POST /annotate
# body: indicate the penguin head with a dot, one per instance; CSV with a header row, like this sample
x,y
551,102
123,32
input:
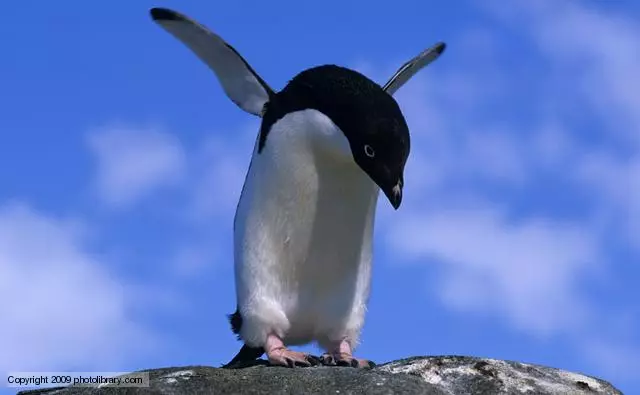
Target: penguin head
x,y
380,146
370,119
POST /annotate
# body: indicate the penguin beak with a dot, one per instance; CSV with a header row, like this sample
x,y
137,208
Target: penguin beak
x,y
394,194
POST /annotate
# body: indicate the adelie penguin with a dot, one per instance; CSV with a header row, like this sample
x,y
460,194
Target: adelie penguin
x,y
328,143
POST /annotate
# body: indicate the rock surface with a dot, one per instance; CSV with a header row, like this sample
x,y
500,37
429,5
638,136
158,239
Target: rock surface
x,y
450,375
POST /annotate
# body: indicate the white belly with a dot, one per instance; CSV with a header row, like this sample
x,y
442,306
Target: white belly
x,y
302,234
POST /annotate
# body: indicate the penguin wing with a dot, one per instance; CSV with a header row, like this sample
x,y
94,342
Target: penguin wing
x,y
410,68
240,82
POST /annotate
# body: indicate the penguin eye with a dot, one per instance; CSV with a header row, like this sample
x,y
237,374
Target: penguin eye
x,y
369,151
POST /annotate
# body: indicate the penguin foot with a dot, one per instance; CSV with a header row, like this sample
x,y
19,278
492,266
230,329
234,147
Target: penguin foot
x,y
291,359
340,354
279,355
347,360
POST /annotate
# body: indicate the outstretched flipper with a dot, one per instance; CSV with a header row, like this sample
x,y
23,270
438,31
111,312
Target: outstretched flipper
x,y
238,79
410,68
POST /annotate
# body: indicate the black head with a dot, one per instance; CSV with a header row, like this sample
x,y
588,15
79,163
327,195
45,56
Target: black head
x,y
369,117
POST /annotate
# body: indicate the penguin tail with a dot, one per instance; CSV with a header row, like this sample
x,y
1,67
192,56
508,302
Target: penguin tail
x,y
235,320
246,354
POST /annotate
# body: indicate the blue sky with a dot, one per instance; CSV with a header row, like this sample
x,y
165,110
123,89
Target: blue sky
x,y
121,161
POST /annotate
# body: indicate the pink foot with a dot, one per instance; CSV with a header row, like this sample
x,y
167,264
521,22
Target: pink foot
x,y
345,360
341,355
279,355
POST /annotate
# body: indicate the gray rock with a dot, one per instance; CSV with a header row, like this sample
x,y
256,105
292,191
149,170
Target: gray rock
x,y
450,375
468,375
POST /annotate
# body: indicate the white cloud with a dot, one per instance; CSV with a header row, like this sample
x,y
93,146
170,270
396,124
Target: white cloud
x,y
192,260
60,306
495,155
550,136
132,163
218,172
606,45
213,179
527,271
591,56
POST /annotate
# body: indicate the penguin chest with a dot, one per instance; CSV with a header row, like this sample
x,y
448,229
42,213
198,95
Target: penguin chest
x,y
303,229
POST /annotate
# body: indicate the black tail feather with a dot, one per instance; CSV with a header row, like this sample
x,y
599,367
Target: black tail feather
x,y
246,354
235,320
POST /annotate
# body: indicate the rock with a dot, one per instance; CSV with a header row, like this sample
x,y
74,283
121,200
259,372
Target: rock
x,y
450,375
467,375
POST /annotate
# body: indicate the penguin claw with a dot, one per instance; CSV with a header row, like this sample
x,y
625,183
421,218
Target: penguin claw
x,y
315,361
327,360
345,360
291,359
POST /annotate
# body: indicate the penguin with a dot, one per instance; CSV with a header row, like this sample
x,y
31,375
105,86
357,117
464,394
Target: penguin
x,y
329,142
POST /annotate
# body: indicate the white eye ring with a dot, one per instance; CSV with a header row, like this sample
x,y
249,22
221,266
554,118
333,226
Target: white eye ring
x,y
368,150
